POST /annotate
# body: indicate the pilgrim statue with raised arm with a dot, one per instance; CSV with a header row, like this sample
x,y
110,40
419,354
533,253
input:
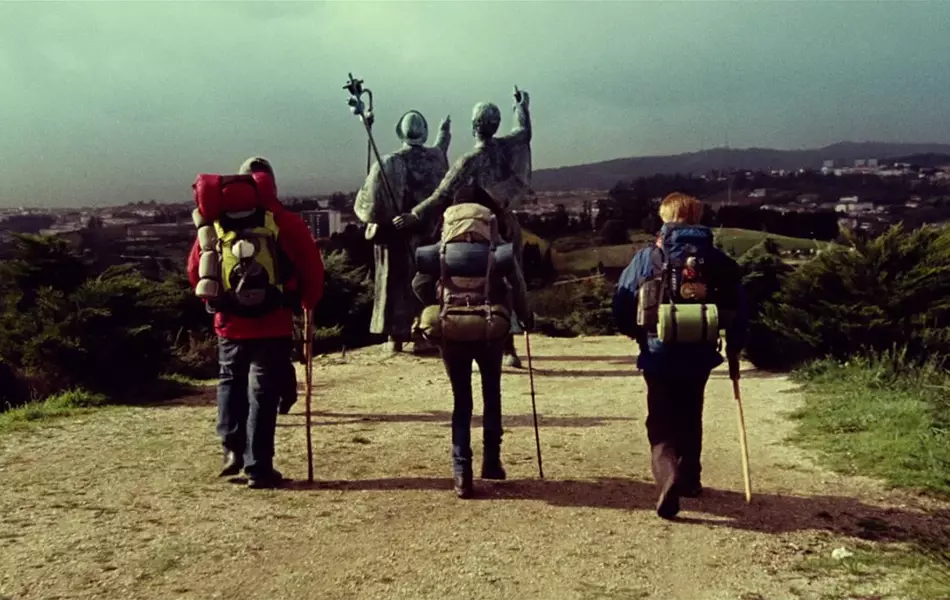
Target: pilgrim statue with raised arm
x,y
413,172
501,166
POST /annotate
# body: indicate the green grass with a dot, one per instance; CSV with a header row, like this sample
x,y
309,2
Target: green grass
x,y
880,418
907,570
66,404
76,402
738,241
579,254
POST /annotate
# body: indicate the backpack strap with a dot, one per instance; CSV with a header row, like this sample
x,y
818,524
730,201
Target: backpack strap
x,y
487,292
661,264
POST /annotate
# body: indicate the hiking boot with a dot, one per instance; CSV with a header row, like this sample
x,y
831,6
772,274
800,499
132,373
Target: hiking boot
x,y
424,348
692,490
463,485
668,504
512,360
233,463
266,480
285,404
493,470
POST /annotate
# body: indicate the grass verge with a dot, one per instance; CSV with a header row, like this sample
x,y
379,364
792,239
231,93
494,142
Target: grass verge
x,y
880,417
76,402
909,571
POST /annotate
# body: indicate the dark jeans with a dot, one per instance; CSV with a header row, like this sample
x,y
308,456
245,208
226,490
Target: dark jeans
x,y
458,358
675,425
252,374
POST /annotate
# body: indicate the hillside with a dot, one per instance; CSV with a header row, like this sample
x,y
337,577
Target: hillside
x,y
603,175
580,254
143,516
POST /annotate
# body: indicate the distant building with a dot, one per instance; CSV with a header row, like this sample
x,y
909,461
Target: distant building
x,y
872,163
828,164
323,223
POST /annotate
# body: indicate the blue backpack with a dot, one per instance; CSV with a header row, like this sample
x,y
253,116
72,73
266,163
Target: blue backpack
x,y
680,302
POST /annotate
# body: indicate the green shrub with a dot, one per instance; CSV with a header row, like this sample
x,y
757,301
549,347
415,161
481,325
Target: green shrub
x,y
579,308
64,327
891,290
344,313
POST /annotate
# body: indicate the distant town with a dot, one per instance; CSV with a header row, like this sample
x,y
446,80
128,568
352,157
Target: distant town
x,y
868,195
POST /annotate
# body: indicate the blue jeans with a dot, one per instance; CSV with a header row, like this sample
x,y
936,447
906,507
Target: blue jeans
x,y
252,374
458,358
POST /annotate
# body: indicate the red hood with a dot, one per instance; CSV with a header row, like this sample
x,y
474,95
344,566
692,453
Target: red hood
x,y
244,192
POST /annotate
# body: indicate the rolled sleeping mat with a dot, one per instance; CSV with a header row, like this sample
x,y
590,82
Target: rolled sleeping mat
x,y
465,259
199,219
688,324
207,289
207,238
209,274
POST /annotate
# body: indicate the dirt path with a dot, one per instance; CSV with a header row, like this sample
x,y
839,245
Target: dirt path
x,y
125,504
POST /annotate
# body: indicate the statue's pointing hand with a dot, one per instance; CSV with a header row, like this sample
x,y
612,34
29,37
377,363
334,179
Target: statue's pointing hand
x,y
405,221
521,97
446,124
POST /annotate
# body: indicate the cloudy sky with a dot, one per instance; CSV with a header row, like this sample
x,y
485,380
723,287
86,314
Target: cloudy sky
x,y
109,102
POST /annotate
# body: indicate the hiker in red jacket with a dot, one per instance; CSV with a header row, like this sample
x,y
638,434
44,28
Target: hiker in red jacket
x,y
254,262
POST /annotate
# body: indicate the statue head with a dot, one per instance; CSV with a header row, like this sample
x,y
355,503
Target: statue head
x,y
486,118
412,128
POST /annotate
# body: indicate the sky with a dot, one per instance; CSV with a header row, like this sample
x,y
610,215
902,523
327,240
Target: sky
x,y
111,102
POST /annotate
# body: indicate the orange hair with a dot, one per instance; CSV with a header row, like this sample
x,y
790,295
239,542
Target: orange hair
x,y
680,208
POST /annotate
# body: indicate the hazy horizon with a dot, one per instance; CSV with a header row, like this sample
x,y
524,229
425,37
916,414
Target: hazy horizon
x,y
107,103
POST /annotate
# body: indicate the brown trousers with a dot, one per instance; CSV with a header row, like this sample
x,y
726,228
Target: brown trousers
x,y
675,426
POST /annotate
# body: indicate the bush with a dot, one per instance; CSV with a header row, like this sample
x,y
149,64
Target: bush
x,y
614,232
581,308
764,273
892,290
65,327
344,313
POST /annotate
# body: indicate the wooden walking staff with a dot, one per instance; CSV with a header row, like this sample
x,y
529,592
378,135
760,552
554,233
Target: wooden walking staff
x,y
308,357
734,375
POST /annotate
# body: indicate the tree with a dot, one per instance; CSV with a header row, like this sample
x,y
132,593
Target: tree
x,y
614,233
339,201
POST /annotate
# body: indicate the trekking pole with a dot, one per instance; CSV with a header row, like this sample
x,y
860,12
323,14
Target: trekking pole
x,y
734,375
308,357
534,410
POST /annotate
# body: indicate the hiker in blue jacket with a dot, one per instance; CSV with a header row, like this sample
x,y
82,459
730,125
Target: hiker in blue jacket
x,y
673,299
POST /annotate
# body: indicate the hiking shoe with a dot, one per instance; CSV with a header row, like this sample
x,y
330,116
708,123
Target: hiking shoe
x,y
285,404
267,480
693,490
512,360
233,463
493,470
668,504
463,486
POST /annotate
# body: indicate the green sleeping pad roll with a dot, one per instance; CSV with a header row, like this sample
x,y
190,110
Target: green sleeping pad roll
x,y
688,324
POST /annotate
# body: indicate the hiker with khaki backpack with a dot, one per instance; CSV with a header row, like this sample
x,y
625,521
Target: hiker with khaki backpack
x,y
471,285
673,299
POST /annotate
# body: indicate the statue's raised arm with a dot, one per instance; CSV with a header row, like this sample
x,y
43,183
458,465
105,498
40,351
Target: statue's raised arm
x,y
521,130
444,137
